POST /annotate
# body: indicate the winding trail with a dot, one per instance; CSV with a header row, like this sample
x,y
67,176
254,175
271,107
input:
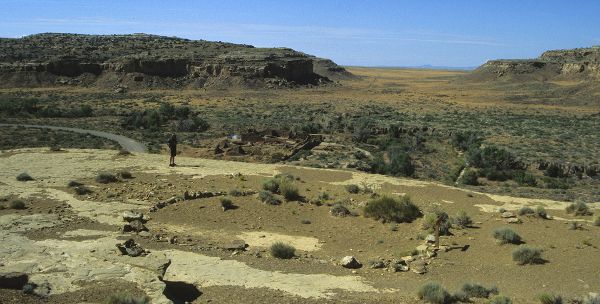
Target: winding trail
x,y
126,143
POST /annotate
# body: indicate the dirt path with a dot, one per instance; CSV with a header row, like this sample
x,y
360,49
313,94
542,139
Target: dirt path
x,y
126,143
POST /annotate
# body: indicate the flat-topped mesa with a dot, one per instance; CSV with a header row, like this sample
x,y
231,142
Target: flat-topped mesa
x,y
575,64
142,60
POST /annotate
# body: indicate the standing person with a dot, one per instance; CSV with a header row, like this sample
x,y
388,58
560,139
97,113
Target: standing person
x,y
173,147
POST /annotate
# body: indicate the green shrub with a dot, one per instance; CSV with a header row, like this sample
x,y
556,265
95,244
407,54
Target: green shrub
x,y
392,210
125,174
546,298
24,177
268,198
289,190
466,139
271,185
126,298
339,210
74,184
431,218
282,251
526,211
525,179
462,219
554,170
474,290
541,212
194,124
105,178
527,255
493,157
353,188
579,208
433,292
82,190
469,177
500,300
226,204
17,204
506,235
556,183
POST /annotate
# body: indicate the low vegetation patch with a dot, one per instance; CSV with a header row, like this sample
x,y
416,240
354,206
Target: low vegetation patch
x,y
289,190
268,198
462,219
505,235
432,218
354,189
526,211
339,210
125,174
469,177
271,185
226,204
546,298
73,184
24,177
282,251
435,293
392,210
500,300
126,298
474,290
527,255
17,204
579,208
541,212
105,178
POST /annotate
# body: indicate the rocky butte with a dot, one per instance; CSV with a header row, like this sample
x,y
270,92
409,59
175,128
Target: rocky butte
x,y
574,64
142,60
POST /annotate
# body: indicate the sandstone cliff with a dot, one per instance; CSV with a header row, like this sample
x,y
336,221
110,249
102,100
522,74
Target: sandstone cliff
x,y
142,60
575,64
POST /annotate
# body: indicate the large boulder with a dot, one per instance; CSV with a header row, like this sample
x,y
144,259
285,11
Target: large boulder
x,y
350,262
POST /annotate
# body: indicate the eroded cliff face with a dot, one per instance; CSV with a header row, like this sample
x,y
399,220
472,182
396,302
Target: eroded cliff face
x,y
146,60
575,64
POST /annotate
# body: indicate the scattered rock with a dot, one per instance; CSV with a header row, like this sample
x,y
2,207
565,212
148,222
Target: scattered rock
x,y
130,248
187,195
236,245
514,220
129,216
13,280
376,264
430,238
398,266
163,204
408,258
422,248
135,226
350,262
418,267
507,214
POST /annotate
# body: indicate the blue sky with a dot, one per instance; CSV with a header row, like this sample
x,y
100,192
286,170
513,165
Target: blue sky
x,y
352,32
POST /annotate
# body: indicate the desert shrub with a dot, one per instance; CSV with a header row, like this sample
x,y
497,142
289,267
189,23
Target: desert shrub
x,y
148,119
194,124
592,299
125,174
226,204
82,190
268,198
235,192
324,196
493,157
271,185
431,218
362,130
474,290
400,163
282,251
462,219
339,210
506,235
526,211
546,298
525,179
541,212
556,183
466,139
105,178
553,170
433,292
597,221
494,174
527,255
353,188
469,177
74,184
126,298
289,190
24,177
579,208
500,300
392,210
16,204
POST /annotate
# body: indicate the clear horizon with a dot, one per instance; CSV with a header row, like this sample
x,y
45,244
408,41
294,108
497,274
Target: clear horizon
x,y
352,33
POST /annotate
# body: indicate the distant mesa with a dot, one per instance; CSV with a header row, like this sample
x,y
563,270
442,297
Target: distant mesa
x,y
141,60
573,64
